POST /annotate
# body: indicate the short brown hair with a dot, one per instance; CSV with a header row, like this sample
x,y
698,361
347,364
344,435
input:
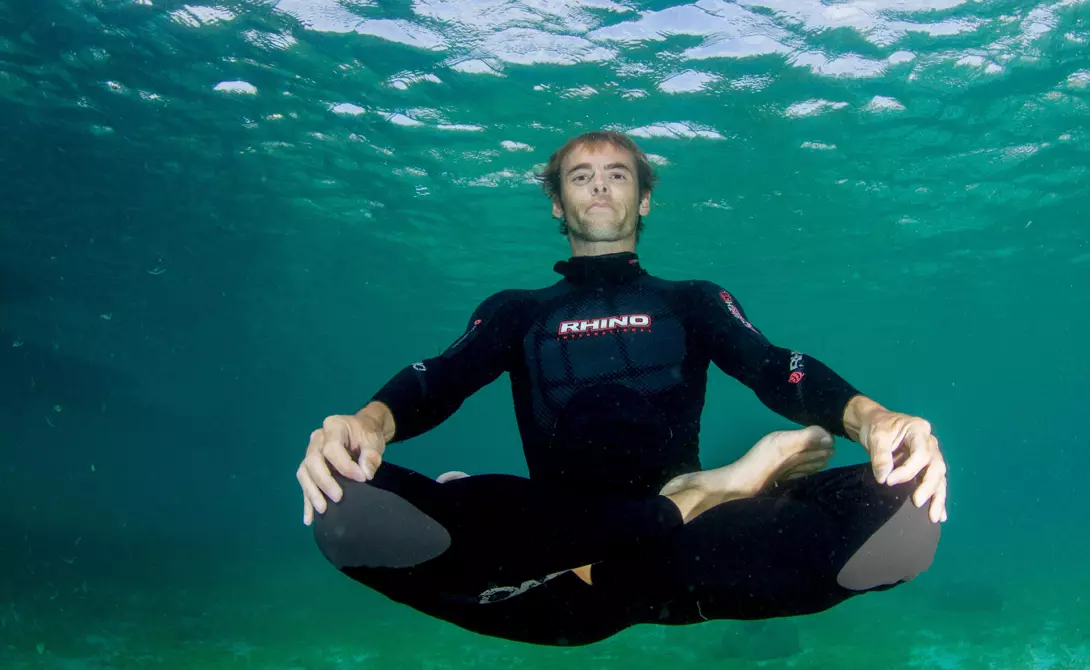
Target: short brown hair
x,y
552,183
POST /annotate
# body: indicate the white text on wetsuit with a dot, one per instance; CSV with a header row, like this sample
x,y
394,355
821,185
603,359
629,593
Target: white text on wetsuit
x,y
604,323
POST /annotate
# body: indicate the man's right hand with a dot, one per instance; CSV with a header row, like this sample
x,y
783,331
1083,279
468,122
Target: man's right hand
x,y
341,437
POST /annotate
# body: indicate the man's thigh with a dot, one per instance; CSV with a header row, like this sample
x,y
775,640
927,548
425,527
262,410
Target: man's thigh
x,y
802,547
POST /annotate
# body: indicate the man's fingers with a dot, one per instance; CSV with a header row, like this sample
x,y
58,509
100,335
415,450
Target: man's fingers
x,y
921,446
337,432
308,511
900,449
881,460
369,461
933,479
890,452
916,462
371,448
337,454
881,444
333,445
311,494
321,476
938,505
936,509
929,490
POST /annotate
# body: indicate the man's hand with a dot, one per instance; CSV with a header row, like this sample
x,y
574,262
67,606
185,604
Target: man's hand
x,y
883,433
341,436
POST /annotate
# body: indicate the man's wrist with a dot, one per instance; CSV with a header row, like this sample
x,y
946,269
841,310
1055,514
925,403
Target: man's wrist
x,y
382,416
857,413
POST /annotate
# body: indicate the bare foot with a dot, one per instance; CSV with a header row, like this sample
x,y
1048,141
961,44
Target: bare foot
x,y
781,455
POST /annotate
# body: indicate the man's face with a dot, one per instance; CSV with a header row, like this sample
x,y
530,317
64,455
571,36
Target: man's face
x,y
600,194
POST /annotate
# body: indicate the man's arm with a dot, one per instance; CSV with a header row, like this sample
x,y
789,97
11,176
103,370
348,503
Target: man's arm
x,y
803,389
423,395
795,385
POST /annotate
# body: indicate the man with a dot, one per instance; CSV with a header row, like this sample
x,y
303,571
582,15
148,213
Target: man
x,y
617,524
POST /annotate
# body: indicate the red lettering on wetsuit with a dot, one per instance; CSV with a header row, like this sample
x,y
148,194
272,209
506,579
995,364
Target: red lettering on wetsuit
x,y
733,309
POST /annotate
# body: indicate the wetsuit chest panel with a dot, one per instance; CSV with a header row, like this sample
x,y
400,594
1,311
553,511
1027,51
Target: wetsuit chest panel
x,y
629,337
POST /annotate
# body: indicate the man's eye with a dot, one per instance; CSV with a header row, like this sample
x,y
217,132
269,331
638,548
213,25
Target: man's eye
x,y
620,175
579,177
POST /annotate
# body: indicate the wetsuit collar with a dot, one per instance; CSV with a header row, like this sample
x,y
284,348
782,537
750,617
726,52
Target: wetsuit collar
x,y
605,269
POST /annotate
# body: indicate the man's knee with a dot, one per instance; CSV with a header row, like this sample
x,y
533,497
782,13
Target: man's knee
x,y
902,548
374,528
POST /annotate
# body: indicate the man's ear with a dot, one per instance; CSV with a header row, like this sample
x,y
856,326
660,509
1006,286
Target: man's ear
x,y
558,210
645,204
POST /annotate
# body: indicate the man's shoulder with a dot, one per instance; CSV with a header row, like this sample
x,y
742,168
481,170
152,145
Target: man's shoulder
x,y
500,298
696,294
687,286
510,297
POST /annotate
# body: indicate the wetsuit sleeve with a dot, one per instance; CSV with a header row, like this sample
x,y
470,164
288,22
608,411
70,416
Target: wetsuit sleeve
x,y
795,385
423,395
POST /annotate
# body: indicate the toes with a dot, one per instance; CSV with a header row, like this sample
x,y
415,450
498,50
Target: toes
x,y
819,435
805,439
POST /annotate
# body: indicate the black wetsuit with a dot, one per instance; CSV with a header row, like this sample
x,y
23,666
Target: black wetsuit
x,y
608,370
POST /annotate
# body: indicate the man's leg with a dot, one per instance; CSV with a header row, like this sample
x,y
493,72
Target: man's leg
x,y
780,455
483,528
492,553
803,546
500,527
471,550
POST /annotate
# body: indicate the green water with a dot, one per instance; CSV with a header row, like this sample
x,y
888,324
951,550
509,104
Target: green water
x,y
221,224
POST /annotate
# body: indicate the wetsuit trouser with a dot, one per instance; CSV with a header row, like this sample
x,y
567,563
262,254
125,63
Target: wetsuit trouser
x,y
493,553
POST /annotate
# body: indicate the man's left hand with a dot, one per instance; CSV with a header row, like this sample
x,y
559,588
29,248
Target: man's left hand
x,y
884,432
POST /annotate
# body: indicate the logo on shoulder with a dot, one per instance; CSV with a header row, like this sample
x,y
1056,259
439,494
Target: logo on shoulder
x,y
626,323
733,309
795,366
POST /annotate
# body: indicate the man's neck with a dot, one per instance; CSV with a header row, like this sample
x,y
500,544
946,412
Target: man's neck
x,y
589,248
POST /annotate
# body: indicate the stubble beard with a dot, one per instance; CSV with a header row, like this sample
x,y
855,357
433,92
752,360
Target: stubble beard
x,y
591,231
